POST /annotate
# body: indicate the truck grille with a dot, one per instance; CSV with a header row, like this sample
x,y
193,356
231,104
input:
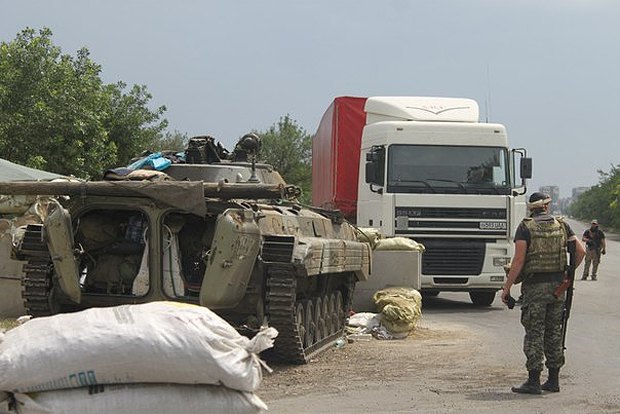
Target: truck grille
x,y
452,212
452,257
447,221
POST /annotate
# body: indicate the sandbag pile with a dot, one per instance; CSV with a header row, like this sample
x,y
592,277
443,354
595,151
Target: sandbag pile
x,y
400,308
378,241
159,357
399,243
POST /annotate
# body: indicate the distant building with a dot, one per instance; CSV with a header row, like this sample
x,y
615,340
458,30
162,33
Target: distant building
x,y
554,192
578,191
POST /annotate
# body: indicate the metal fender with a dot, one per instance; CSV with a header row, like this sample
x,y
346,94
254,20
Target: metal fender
x,y
231,259
58,235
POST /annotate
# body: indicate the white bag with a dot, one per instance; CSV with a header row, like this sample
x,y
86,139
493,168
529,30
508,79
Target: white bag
x,y
365,320
141,398
158,342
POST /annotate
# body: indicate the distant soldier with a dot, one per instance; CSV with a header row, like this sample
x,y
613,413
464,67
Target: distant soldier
x,y
595,244
540,261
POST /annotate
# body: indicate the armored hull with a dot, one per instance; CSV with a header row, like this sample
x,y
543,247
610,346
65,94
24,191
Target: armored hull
x,y
242,247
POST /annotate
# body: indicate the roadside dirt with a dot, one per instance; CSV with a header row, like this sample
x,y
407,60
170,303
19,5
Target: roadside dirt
x,y
448,354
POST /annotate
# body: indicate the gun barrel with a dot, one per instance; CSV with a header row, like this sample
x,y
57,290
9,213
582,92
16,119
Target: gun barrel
x,y
141,188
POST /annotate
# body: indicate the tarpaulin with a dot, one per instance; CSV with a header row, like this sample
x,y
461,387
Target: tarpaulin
x,y
336,155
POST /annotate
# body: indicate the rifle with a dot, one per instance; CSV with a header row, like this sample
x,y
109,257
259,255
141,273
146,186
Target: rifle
x,y
567,285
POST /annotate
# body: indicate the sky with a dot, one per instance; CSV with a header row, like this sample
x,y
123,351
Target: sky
x,y
548,70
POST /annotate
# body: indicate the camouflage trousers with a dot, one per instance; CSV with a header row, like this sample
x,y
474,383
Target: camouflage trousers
x,y
541,316
593,256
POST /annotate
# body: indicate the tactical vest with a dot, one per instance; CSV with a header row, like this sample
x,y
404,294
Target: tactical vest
x,y
547,250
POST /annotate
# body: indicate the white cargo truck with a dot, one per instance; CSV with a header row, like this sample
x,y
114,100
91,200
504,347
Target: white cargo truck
x,y
429,170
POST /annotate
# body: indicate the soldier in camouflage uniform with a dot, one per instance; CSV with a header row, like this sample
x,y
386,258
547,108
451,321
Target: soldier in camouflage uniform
x,y
540,262
594,239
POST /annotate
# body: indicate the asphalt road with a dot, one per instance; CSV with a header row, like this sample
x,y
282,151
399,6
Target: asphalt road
x,y
474,375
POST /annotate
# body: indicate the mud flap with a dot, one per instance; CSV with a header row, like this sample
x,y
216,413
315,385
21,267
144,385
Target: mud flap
x,y
231,259
59,238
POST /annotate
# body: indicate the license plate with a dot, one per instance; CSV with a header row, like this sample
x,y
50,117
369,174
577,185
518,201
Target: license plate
x,y
492,225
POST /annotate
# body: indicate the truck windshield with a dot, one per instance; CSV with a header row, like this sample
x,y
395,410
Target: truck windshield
x,y
448,169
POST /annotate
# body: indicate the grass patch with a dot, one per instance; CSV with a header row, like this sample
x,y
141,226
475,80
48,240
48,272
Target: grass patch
x,y
6,324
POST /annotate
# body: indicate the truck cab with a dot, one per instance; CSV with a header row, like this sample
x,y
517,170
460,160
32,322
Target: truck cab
x,y
429,170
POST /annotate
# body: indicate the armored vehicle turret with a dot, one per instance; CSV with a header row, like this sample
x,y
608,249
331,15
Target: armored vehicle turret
x,y
212,228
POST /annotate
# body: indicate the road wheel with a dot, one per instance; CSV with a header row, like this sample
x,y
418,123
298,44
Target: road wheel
x,y
318,319
300,316
339,311
328,310
333,316
326,317
309,323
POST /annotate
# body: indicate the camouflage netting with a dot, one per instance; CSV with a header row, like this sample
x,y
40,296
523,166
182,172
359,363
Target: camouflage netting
x,y
401,309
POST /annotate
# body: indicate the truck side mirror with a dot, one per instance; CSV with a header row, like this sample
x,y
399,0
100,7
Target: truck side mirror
x,y
526,168
375,166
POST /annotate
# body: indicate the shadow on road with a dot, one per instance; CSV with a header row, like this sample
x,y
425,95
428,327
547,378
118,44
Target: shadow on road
x,y
447,305
500,396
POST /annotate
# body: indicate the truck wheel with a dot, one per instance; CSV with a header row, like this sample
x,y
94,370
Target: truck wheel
x,y
482,298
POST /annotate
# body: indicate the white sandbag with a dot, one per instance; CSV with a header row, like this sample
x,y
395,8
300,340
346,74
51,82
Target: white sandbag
x,y
399,243
158,342
141,398
369,235
366,320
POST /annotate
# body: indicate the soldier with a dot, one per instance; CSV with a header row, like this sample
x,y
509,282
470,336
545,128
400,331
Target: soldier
x,y
595,244
540,261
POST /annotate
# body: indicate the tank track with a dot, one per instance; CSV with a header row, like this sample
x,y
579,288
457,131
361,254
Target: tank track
x,y
282,306
37,284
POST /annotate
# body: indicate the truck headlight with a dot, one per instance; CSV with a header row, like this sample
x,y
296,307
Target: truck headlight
x,y
500,261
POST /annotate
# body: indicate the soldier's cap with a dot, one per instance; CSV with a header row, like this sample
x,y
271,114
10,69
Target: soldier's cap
x,y
595,221
538,200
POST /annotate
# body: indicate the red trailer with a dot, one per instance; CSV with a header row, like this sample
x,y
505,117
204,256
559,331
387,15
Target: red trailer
x,y
336,155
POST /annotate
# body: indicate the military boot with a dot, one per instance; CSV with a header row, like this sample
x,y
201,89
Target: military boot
x,y
553,383
531,386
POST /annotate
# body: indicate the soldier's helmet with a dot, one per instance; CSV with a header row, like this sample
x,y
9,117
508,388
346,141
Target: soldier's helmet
x,y
538,200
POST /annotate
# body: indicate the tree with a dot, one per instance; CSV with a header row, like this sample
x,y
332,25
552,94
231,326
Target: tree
x,y
130,124
601,201
175,141
288,147
56,113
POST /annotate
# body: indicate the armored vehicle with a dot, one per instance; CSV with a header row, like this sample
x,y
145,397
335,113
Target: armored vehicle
x,y
213,228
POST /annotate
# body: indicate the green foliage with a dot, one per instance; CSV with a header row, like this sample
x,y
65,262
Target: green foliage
x,y
130,124
175,141
56,113
288,147
601,201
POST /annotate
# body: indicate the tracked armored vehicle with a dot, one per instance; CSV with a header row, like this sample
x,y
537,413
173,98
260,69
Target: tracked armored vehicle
x,y
215,229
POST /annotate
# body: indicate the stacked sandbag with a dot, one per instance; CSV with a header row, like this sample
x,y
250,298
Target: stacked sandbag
x,y
139,398
154,343
400,308
399,243
369,235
